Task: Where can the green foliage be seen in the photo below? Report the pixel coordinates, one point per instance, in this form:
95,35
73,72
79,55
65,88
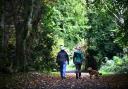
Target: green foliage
68,21
117,65
117,60
118,10
101,33
33,35
42,49
64,22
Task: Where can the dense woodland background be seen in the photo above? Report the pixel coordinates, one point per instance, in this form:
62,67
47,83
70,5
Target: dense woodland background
31,32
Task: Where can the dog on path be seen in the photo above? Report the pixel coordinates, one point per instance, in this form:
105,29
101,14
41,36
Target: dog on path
94,73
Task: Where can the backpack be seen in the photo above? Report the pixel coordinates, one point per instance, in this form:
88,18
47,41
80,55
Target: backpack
78,58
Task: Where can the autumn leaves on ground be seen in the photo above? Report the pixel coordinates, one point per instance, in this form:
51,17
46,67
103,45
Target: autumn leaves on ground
34,80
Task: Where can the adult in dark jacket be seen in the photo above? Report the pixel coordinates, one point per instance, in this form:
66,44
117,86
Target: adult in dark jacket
62,60
91,61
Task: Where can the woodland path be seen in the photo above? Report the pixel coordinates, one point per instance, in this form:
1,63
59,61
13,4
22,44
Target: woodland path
36,80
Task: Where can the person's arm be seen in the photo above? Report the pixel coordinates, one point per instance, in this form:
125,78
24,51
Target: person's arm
57,59
74,58
67,58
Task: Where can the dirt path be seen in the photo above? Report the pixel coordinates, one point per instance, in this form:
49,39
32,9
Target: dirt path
108,82
39,81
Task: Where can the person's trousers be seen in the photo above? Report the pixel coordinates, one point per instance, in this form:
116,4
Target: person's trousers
78,70
63,69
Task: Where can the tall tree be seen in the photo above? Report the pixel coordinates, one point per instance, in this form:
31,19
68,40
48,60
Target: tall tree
21,17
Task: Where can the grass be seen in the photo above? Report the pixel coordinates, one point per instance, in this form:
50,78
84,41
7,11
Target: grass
71,66
56,74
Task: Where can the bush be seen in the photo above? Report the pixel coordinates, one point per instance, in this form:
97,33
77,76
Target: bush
116,65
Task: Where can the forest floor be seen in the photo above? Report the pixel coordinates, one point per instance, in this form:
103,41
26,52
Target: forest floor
35,80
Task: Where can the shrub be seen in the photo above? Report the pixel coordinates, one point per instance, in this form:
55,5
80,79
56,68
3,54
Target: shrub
116,65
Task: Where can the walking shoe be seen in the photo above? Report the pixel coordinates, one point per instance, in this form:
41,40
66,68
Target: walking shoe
80,77
63,77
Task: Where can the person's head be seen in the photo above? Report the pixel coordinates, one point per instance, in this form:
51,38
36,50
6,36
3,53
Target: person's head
78,48
62,47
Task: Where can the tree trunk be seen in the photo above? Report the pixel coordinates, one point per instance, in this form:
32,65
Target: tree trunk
21,34
19,49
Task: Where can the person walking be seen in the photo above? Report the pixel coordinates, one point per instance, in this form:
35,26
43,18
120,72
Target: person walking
62,60
91,61
77,60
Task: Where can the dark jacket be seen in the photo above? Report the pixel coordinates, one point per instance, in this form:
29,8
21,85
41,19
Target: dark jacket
62,57
91,62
